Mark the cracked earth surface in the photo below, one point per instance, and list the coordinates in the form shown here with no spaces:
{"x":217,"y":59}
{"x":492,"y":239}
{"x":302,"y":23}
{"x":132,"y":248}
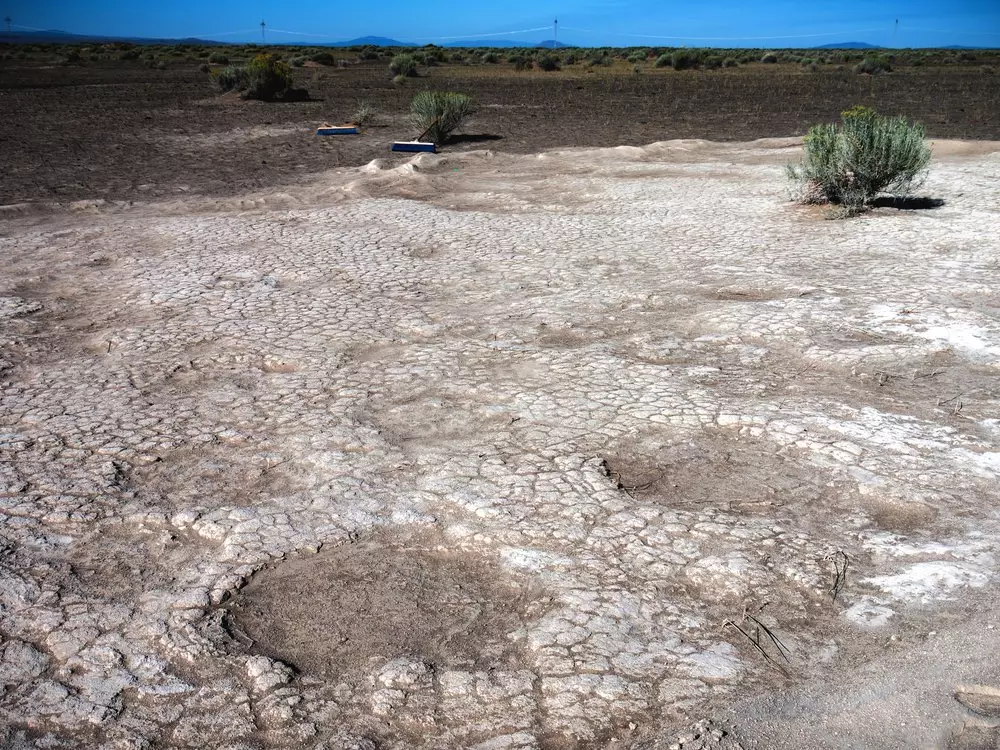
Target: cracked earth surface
{"x":559,"y":451}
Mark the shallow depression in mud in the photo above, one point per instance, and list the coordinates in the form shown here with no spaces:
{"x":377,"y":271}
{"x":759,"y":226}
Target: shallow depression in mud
{"x":356,"y":606}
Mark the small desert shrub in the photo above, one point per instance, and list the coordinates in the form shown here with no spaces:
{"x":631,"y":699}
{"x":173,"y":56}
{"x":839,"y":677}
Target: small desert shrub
{"x":204,"y":68}
{"x":403,"y":65}
{"x":663,"y":61}
{"x":491,"y":57}
{"x":520,"y":62}
{"x":297,"y":61}
{"x":232,"y":78}
{"x":267,"y":77}
{"x":570,"y":59}
{"x":129,"y":54}
{"x":873,"y":65}
{"x":729,"y":63}
{"x":322,"y":58}
{"x":548,"y":62}
{"x":439,"y":113}
{"x":770,"y":58}
{"x":218,"y":58}
{"x":364,"y":114}
{"x":637,"y":57}
{"x":850,"y":163}
{"x":399,"y":80}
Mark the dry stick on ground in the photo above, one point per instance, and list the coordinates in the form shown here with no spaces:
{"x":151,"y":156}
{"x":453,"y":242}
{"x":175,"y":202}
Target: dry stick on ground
{"x":840,"y":564}
{"x":753,"y":634}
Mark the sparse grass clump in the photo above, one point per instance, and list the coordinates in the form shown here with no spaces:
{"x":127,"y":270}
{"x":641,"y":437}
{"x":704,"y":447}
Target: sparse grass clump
{"x":439,"y":113}
{"x":403,"y":65}
{"x":850,"y":163}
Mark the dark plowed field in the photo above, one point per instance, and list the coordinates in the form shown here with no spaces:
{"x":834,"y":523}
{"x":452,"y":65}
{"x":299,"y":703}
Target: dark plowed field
{"x":122,"y":131}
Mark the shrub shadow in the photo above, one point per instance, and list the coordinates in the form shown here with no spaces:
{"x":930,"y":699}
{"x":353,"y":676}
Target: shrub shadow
{"x":909,"y":203}
{"x":472,"y":138}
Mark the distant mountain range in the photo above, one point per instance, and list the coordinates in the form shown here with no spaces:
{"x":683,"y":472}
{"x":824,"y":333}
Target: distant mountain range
{"x":63,"y":37}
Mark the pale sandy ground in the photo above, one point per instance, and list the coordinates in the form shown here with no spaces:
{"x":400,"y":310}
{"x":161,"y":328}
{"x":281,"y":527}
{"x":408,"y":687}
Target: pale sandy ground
{"x":483,"y":451}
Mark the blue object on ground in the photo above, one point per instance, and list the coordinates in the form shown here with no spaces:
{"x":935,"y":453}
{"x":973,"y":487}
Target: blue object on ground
{"x":414,"y":146}
{"x":338,"y":130}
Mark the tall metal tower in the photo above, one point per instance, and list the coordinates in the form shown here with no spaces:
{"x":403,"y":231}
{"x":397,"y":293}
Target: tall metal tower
{"x":7,"y":21}
{"x":555,"y":33}
{"x":262,"y":25}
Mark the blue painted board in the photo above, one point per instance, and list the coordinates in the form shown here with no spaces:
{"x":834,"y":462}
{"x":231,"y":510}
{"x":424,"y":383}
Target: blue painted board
{"x":414,"y":146}
{"x":339,"y":130}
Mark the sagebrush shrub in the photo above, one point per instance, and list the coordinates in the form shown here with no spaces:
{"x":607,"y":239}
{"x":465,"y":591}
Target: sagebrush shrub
{"x":232,"y":78}
{"x":267,"y":77}
{"x":491,"y":57}
{"x":218,"y":58}
{"x":403,"y":65}
{"x":439,"y":113}
{"x":548,"y":62}
{"x":663,"y":61}
{"x":851,"y":162}
{"x":873,"y":65}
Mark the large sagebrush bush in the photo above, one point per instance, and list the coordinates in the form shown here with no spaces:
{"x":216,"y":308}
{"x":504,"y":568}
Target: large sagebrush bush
{"x":851,"y":162}
{"x":439,"y":113}
{"x":268,"y":77}
{"x":265,"y":77}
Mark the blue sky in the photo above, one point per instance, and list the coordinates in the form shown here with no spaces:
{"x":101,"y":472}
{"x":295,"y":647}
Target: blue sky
{"x":736,"y":23}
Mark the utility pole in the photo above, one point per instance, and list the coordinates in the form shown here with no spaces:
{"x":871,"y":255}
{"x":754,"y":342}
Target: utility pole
{"x":7,"y":21}
{"x":895,"y":34}
{"x":555,"y":33}
{"x":262,"y":25}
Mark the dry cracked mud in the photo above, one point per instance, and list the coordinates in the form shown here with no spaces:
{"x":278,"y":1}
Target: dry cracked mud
{"x":594,"y":448}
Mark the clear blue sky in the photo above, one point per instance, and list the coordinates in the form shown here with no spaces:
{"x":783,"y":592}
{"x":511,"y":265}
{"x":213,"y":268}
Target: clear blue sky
{"x":736,"y":23}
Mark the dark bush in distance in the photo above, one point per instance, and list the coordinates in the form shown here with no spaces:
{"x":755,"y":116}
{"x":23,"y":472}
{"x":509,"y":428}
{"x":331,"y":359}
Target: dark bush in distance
{"x":684,"y":60}
{"x":873,"y":65}
{"x":769,"y":58}
{"x":548,"y":62}
{"x":218,"y":58}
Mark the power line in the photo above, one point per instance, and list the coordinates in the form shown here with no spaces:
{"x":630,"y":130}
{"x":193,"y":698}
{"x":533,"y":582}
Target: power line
{"x":725,"y":38}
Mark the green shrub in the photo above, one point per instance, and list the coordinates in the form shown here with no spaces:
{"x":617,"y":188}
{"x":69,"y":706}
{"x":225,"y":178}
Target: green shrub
{"x":770,"y":58}
{"x":297,"y":62}
{"x":663,"y":61}
{"x":637,"y":57}
{"x":729,"y":63}
{"x":439,"y":113}
{"x":322,"y":58}
{"x":571,"y":59}
{"x":218,"y":58}
{"x":683,"y":60}
{"x":267,"y":77}
{"x":548,"y":62}
{"x":232,"y":78}
{"x":399,"y":80}
{"x":850,"y":163}
{"x":129,"y":54}
{"x":491,"y":57}
{"x":403,"y":65}
{"x":873,"y":65}
{"x":519,"y":61}
{"x":364,"y":114}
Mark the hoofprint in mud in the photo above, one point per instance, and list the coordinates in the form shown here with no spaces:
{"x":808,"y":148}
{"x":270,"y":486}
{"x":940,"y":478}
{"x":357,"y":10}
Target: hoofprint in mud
{"x":495,"y":452}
